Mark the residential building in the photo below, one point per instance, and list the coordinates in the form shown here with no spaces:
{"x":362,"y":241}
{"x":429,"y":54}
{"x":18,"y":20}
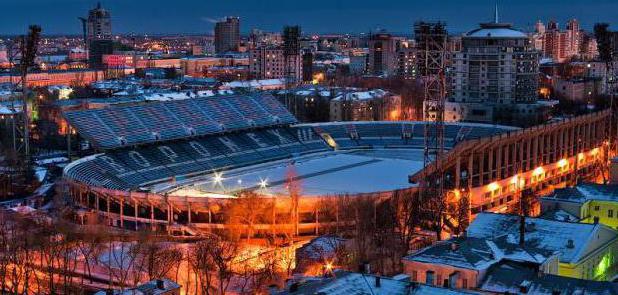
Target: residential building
{"x":352,"y":283}
{"x":520,"y":278}
{"x":586,"y":251}
{"x":99,"y":24}
{"x":358,"y":62}
{"x":495,"y":77}
{"x":372,"y":105}
{"x":382,"y":55}
{"x":227,"y":35}
{"x":463,"y":262}
{"x":154,"y":287}
{"x":98,"y":35}
{"x":406,"y":63}
{"x":563,"y":45}
{"x":587,"y":203}
{"x":268,"y":62}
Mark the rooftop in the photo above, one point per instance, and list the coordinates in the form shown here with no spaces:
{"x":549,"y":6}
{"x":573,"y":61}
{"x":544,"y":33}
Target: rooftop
{"x":574,"y":241}
{"x":350,"y":283}
{"x":583,"y":193}
{"x":510,"y":277}
{"x":479,"y":253}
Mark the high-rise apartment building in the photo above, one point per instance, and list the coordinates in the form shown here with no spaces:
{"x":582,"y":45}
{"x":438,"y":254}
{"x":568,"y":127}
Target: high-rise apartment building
{"x":268,"y":62}
{"x":227,"y":35}
{"x":99,"y":24}
{"x":382,"y":54}
{"x":495,"y":72}
{"x":98,"y":35}
{"x":560,"y":45}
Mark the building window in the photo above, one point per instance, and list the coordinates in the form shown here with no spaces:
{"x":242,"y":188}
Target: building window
{"x":610,"y":213}
{"x":464,"y":284}
{"x":414,"y":275}
{"x":596,"y":208}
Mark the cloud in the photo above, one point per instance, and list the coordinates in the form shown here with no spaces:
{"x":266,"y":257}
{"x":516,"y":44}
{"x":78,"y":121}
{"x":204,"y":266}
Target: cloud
{"x":209,"y":19}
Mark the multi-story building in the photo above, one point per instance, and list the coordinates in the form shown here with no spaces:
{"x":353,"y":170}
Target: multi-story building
{"x":358,"y":62}
{"x":373,"y":105}
{"x":382,"y":55}
{"x":99,"y":24}
{"x":463,"y":262}
{"x":77,"y":77}
{"x":227,"y":35}
{"x":99,"y":35}
{"x":406,"y":63}
{"x":269,"y":62}
{"x":563,"y":45}
{"x":586,"y":251}
{"x":495,"y":73}
{"x":587,"y":203}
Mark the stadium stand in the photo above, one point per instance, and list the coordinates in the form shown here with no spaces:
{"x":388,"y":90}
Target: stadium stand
{"x":116,"y":127}
{"x":165,"y":141}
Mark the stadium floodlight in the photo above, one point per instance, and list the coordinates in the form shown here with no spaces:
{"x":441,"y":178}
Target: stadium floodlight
{"x":218,"y":179}
{"x":263,"y":183}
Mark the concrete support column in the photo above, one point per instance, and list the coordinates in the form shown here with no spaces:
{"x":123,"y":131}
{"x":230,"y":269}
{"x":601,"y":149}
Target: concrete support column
{"x":482,"y":167}
{"x":135,"y":207}
{"x":122,"y":213}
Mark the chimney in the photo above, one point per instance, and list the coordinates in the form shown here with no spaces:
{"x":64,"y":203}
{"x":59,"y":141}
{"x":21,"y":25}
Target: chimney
{"x":522,"y":230}
{"x":160,"y":284}
{"x":378,"y":282}
{"x":570,"y":244}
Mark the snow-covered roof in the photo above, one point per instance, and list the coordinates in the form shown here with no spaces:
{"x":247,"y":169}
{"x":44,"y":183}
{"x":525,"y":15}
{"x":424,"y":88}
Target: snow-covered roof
{"x":560,"y":215}
{"x":363,"y":95}
{"x":496,"y":30}
{"x":254,"y":83}
{"x":149,"y":288}
{"x":351,"y":283}
{"x":574,"y":241}
{"x":320,"y":248}
{"x":167,"y":96}
{"x":510,"y":277}
{"x":479,"y":253}
{"x":7,"y":111}
{"x":583,"y":193}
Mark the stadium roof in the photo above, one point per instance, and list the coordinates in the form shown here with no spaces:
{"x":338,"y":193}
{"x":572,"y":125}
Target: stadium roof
{"x":120,"y":126}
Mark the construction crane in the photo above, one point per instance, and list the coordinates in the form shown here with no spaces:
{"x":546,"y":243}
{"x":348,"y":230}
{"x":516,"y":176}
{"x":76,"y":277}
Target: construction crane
{"x":431,"y":41}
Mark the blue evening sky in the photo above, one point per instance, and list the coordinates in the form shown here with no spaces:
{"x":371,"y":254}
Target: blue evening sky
{"x":315,"y":16}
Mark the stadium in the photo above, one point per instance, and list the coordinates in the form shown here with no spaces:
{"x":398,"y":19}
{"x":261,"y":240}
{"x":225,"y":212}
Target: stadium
{"x":176,"y":165}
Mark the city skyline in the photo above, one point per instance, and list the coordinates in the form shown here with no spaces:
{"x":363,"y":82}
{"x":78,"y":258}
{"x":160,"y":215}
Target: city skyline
{"x":60,"y":16}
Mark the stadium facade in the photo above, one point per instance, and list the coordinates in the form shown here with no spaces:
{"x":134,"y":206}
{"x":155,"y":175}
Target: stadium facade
{"x":177,"y":165}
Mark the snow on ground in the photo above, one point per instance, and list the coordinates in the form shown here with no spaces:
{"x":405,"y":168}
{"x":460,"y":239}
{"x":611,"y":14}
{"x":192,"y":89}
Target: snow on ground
{"x":339,"y":173}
